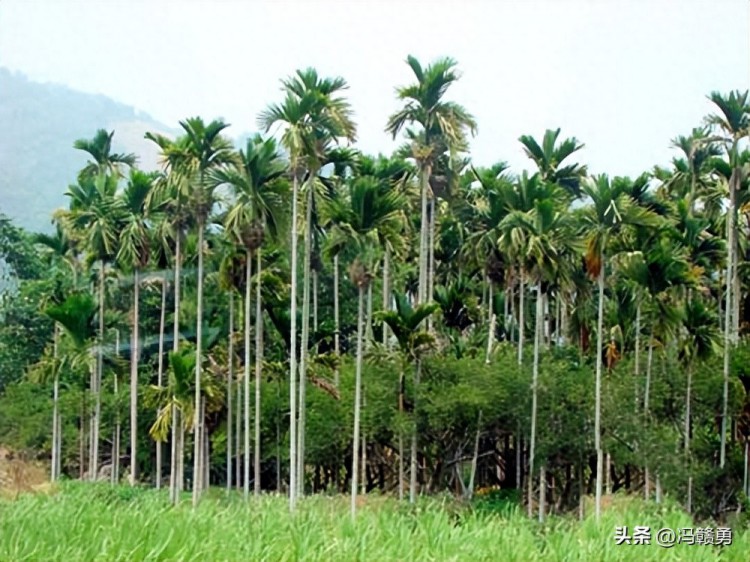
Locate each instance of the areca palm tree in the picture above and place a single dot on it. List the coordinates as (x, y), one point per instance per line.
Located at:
(549, 158)
(207, 150)
(698, 341)
(732, 123)
(611, 209)
(492, 206)
(256, 181)
(547, 235)
(441, 126)
(103, 162)
(405, 322)
(93, 220)
(313, 115)
(134, 252)
(76, 315)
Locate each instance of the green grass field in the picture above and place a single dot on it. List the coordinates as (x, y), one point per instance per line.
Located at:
(82, 522)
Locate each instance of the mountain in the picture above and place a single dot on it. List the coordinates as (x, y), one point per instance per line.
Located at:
(38, 125)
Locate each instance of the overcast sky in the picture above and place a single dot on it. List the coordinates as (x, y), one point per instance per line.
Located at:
(624, 77)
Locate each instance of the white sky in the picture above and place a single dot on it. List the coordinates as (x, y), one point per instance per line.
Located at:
(624, 77)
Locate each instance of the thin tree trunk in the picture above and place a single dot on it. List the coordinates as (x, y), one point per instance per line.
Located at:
(206, 460)
(413, 473)
(521, 319)
(336, 327)
(490, 323)
(198, 422)
(534, 396)
(401, 435)
(607, 474)
(386, 289)
(305, 341)
(357, 399)
(230, 382)
(175, 484)
(134, 357)
(246, 375)
(474, 458)
(55, 470)
(115, 473)
(258, 368)
(646, 396)
(637, 351)
(745, 486)
(293, 351)
(431, 262)
(369, 337)
(598, 393)
(160, 372)
(506, 313)
(94, 458)
(728, 317)
(688, 462)
(238, 438)
(423, 236)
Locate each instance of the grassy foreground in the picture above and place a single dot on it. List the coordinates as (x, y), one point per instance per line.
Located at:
(84, 522)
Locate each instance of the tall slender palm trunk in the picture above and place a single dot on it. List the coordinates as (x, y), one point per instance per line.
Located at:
(94, 455)
(246, 382)
(534, 397)
(357, 399)
(646, 396)
(175, 484)
(688, 463)
(431, 258)
(115, 474)
(230, 394)
(729, 311)
(198, 422)
(134, 356)
(386, 289)
(521, 315)
(55, 470)
(305, 340)
(293, 353)
(413, 463)
(336, 326)
(160, 371)
(490, 323)
(598, 394)
(258, 367)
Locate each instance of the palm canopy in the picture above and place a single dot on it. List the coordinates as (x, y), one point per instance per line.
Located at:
(549, 158)
(733, 116)
(443, 123)
(100, 150)
(135, 237)
(257, 183)
(405, 322)
(368, 213)
(543, 238)
(700, 337)
(179, 392)
(611, 209)
(95, 215)
(186, 161)
(313, 115)
(76, 315)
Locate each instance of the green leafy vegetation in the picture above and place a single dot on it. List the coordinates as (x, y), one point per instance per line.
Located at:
(99, 522)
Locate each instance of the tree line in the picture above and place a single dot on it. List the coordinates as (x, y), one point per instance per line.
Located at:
(553, 331)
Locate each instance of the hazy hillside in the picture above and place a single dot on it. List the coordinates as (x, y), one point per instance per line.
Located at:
(38, 125)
